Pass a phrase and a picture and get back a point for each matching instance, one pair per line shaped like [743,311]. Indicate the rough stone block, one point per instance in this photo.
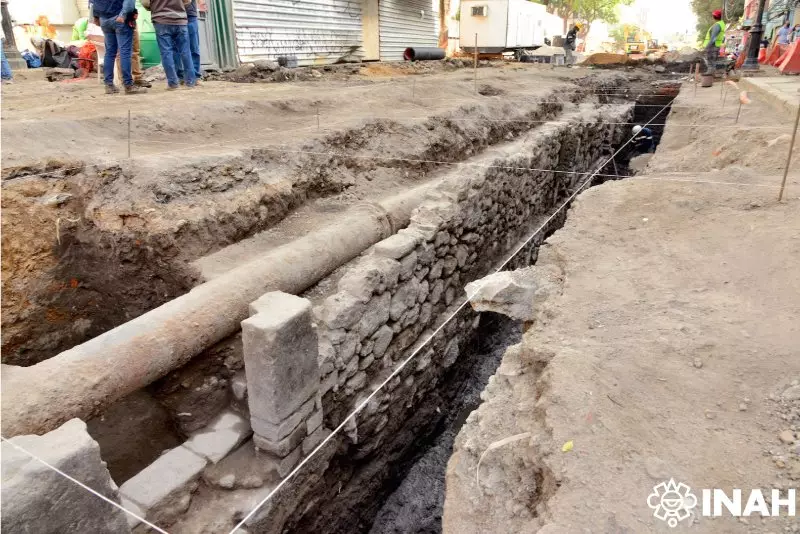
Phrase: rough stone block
[280,357]
[284,446]
[165,480]
[450,264]
[372,275]
[314,439]
[341,310]
[38,500]
[314,422]
[436,291]
[284,465]
[436,270]
[329,382]
[396,246]
[512,293]
[376,314]
[382,339]
[220,437]
[407,266]
[277,432]
[424,289]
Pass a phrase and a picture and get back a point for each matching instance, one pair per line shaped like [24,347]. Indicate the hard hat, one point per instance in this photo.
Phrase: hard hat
[579,25]
[637,129]
[717,14]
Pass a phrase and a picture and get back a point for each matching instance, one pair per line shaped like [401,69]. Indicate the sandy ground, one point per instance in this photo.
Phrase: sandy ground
[669,350]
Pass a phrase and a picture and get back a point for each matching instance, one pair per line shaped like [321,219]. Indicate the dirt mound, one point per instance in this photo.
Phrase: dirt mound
[604,58]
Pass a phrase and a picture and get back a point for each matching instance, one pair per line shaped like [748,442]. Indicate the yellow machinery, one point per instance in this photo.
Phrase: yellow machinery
[635,42]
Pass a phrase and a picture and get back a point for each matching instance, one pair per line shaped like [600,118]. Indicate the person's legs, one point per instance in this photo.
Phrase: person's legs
[568,56]
[176,56]
[182,44]
[136,58]
[5,67]
[125,43]
[165,46]
[110,34]
[194,45]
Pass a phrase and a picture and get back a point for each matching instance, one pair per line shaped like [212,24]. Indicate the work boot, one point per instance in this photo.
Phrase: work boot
[142,83]
[112,89]
[133,90]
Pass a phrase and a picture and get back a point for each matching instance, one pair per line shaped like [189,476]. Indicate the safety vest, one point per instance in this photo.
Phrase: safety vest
[720,38]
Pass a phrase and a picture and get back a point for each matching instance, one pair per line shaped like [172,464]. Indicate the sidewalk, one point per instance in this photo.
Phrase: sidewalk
[782,92]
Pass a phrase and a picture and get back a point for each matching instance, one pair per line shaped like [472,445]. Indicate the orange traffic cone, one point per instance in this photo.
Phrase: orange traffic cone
[763,56]
[790,63]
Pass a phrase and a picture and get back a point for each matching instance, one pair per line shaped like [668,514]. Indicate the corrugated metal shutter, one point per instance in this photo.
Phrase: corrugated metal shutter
[314,31]
[405,23]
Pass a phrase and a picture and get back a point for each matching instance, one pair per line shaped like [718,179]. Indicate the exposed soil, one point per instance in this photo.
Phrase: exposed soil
[668,351]
[90,241]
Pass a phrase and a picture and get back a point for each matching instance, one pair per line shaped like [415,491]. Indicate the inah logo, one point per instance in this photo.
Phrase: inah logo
[672,502]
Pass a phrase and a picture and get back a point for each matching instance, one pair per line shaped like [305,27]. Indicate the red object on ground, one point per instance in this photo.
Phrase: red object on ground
[790,61]
[87,58]
[762,55]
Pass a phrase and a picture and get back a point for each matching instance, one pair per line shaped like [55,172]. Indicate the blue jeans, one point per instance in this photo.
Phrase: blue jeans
[174,39]
[194,47]
[119,37]
[6,68]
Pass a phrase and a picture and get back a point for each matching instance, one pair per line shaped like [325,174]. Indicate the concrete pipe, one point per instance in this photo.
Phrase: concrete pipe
[83,380]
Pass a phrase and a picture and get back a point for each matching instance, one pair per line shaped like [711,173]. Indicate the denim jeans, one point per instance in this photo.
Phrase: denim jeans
[6,68]
[119,37]
[172,39]
[194,47]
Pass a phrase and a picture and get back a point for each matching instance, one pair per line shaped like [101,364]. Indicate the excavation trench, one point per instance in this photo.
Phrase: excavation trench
[409,427]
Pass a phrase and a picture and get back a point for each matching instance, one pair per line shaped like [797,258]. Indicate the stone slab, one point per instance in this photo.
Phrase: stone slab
[220,437]
[37,499]
[172,472]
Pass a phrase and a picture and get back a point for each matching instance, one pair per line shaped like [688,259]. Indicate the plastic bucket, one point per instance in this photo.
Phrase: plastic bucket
[707,80]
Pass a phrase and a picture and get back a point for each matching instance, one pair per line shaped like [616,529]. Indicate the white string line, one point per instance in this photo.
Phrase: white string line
[343,121]
[84,486]
[418,349]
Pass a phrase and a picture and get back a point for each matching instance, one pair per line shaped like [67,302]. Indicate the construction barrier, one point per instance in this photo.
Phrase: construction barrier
[789,63]
[763,57]
[776,54]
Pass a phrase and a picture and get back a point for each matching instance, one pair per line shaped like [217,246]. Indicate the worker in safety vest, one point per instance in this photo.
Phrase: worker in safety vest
[715,38]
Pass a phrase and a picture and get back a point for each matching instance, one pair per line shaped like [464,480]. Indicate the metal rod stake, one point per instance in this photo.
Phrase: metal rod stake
[789,157]
[739,112]
[129,134]
[475,63]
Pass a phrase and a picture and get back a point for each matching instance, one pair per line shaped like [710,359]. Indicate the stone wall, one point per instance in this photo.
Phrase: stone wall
[395,294]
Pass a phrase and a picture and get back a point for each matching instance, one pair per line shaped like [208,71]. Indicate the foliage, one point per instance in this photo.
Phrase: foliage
[732,11]
[586,10]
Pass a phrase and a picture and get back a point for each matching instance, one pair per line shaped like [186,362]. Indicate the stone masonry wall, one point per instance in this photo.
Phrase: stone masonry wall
[402,287]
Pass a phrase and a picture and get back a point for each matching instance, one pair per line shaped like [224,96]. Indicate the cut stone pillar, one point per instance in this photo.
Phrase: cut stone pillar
[280,359]
[37,499]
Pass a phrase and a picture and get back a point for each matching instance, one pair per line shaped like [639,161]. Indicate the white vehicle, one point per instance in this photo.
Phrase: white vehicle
[506,25]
